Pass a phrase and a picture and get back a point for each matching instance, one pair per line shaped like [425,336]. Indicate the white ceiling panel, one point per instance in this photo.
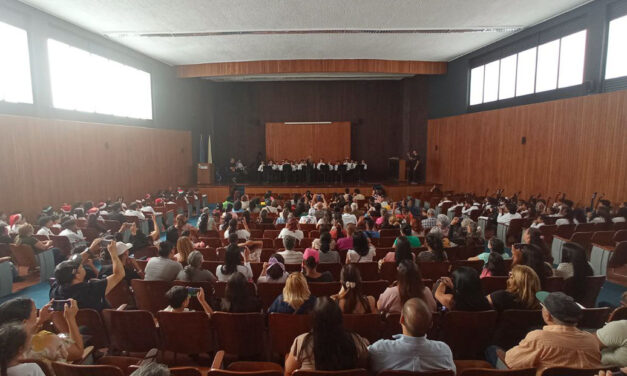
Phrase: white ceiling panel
[134,23]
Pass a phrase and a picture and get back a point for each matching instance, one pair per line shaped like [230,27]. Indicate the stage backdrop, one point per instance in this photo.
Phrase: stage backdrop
[329,141]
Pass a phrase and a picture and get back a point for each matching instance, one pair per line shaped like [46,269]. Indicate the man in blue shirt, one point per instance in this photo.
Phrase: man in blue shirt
[411,351]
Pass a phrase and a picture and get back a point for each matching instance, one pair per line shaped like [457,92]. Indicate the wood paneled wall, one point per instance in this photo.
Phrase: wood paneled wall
[242,68]
[374,108]
[48,162]
[576,145]
[331,142]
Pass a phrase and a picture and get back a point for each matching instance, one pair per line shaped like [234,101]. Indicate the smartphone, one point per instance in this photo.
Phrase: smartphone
[193,291]
[518,245]
[59,305]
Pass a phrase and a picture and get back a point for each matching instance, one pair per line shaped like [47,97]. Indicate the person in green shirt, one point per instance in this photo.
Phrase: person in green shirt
[414,241]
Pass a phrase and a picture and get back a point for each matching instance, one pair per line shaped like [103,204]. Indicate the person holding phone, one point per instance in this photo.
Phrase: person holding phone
[179,297]
[70,282]
[44,344]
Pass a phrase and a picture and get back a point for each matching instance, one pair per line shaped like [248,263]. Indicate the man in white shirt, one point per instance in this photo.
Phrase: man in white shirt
[412,350]
[74,235]
[133,212]
[289,255]
[147,208]
[45,223]
[348,217]
[505,218]
[309,218]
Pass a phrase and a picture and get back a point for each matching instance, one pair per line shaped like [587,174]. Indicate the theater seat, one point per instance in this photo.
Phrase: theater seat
[498,372]
[467,333]
[619,313]
[132,331]
[65,369]
[350,372]
[176,329]
[243,368]
[617,265]
[284,328]
[241,334]
[566,371]
[410,373]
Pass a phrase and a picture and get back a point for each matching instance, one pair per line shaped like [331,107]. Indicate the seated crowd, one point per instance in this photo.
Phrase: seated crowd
[347,229]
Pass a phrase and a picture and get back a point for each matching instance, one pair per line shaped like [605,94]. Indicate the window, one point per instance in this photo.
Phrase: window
[507,79]
[526,72]
[616,63]
[15,80]
[572,56]
[86,82]
[555,64]
[476,85]
[546,69]
[491,82]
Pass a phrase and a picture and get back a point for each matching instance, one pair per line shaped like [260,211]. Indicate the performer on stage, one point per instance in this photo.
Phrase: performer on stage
[413,160]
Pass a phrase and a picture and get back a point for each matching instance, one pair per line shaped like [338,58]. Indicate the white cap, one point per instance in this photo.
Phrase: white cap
[123,247]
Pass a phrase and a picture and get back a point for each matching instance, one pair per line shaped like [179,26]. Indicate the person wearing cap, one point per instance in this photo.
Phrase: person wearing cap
[70,282]
[559,343]
[411,350]
[131,269]
[15,221]
[311,259]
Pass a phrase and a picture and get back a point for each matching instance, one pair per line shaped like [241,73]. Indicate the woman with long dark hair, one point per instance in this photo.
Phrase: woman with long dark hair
[435,249]
[402,251]
[328,347]
[408,285]
[350,298]
[238,296]
[326,246]
[462,292]
[574,268]
[362,250]
[494,267]
[531,255]
[13,343]
[534,236]
[233,263]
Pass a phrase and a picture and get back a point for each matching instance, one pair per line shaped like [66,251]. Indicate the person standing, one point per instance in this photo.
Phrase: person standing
[413,160]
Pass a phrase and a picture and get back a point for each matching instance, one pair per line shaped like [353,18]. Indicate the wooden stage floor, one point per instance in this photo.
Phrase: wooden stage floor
[397,191]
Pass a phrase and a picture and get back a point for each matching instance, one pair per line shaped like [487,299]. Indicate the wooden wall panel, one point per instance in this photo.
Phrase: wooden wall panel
[245,68]
[330,142]
[48,162]
[576,145]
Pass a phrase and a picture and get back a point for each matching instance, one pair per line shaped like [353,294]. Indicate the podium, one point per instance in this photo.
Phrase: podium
[205,173]
[397,168]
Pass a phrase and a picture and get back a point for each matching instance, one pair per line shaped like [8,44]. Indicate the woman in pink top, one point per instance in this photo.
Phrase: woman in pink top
[408,285]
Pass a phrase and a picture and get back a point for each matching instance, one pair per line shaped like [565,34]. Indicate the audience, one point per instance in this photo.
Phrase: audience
[495,267]
[179,296]
[328,347]
[239,297]
[346,243]
[66,345]
[311,259]
[233,264]
[522,285]
[70,281]
[273,270]
[505,218]
[163,268]
[408,285]
[559,343]
[531,255]
[462,292]
[613,342]
[184,247]
[362,250]
[194,272]
[350,298]
[296,298]
[74,235]
[152,369]
[406,231]
[328,254]
[289,254]
[534,236]
[412,350]
[574,269]
[494,245]
[243,234]
[13,343]
[435,249]
[402,251]
[291,230]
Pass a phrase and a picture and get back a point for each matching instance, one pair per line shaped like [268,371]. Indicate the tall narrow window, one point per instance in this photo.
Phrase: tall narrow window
[507,79]
[476,85]
[86,82]
[616,63]
[546,72]
[572,57]
[491,82]
[15,79]
[525,72]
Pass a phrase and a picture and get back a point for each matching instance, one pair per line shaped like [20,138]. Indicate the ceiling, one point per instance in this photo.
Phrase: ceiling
[206,31]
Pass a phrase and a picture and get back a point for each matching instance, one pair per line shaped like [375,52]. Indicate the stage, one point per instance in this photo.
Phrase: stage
[396,191]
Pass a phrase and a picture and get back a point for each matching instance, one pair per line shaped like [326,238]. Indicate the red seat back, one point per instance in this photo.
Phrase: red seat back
[268,292]
[241,334]
[175,327]
[132,331]
[468,333]
[150,295]
[284,328]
